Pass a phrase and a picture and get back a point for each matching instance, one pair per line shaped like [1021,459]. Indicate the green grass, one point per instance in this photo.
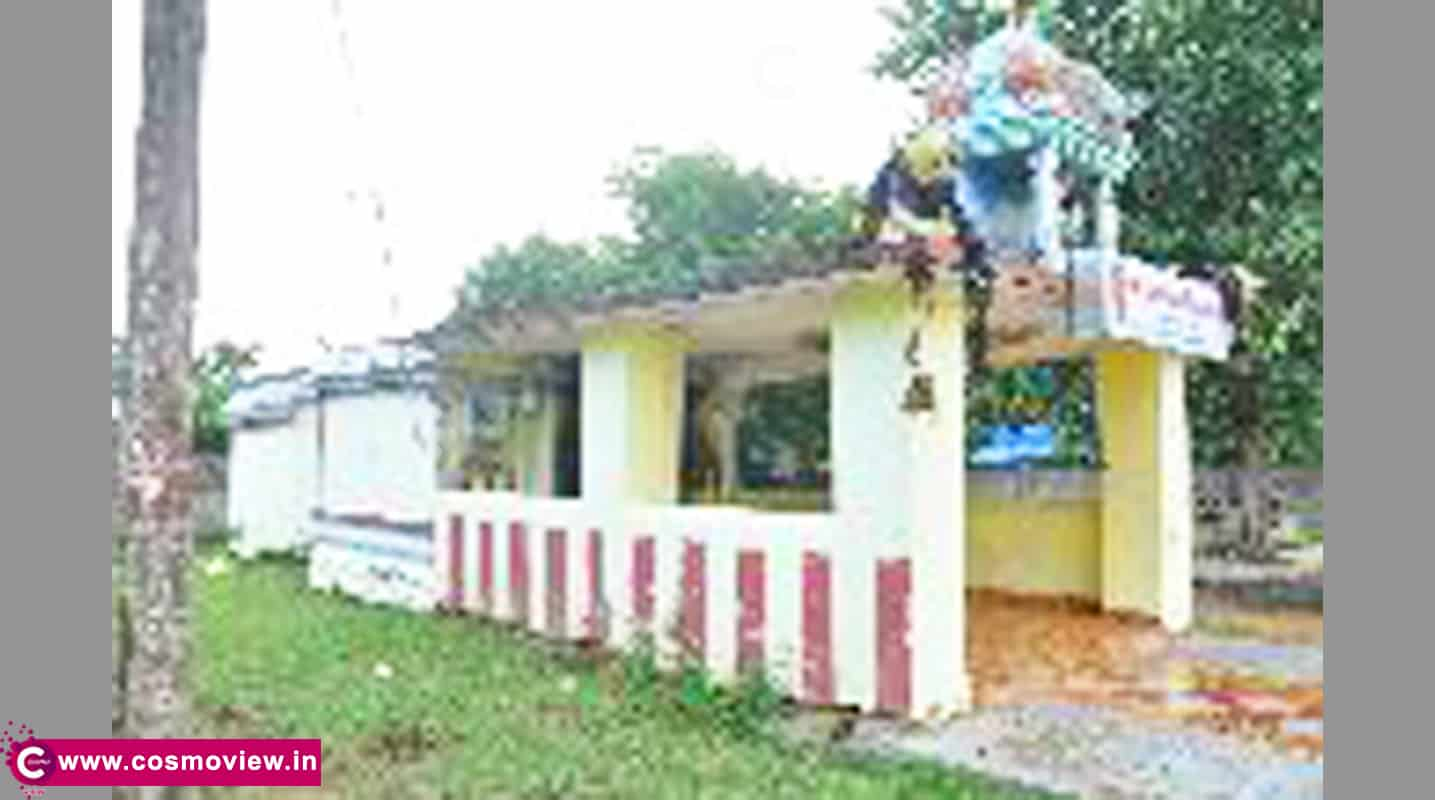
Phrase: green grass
[1304,505]
[478,711]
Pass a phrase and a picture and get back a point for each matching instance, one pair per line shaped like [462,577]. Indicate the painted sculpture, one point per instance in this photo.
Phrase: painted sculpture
[1013,125]
[1031,114]
[914,197]
[1012,181]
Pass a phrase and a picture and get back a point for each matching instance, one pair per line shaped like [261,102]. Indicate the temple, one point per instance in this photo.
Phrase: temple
[551,435]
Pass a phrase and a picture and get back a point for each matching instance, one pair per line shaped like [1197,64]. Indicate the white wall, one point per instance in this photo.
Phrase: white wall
[273,483]
[380,455]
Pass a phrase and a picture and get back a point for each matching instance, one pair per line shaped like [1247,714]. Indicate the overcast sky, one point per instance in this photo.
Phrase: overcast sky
[485,121]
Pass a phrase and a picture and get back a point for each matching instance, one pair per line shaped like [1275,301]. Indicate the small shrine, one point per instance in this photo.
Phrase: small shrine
[998,216]
[561,424]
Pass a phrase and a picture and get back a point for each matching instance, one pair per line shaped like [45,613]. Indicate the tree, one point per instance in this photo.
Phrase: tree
[537,271]
[687,206]
[786,417]
[1230,170]
[215,372]
[158,463]
[694,215]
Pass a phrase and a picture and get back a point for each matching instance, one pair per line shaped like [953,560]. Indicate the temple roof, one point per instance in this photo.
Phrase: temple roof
[1104,301]
[550,321]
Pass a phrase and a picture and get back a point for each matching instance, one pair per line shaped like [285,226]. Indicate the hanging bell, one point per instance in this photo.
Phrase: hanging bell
[920,396]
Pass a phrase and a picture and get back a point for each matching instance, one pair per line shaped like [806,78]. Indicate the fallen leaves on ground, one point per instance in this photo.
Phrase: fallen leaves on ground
[1024,650]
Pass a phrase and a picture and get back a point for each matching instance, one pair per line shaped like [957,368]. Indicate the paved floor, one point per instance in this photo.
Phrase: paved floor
[1098,753]
[1251,677]
[1102,706]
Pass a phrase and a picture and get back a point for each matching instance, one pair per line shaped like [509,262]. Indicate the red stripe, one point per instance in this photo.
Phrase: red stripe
[518,571]
[595,585]
[817,680]
[694,609]
[455,561]
[644,561]
[752,609]
[557,575]
[894,656]
[485,566]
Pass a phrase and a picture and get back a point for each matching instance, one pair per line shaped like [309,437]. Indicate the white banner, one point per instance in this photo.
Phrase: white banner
[1153,307]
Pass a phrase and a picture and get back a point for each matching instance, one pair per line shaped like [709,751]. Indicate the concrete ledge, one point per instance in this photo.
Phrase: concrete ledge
[377,523]
[1072,485]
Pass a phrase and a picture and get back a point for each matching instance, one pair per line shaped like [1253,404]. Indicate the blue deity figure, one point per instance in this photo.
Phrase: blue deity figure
[1008,186]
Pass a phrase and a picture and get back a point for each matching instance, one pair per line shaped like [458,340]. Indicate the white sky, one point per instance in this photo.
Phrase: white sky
[486,122]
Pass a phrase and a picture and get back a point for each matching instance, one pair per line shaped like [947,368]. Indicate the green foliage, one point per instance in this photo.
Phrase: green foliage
[752,704]
[696,691]
[1061,394]
[746,708]
[214,373]
[688,206]
[641,678]
[1230,169]
[538,270]
[784,415]
[693,215]
[924,30]
[1306,536]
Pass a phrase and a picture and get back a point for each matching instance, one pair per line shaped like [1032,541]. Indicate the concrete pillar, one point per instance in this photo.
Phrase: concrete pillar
[631,429]
[1146,524]
[898,481]
[535,447]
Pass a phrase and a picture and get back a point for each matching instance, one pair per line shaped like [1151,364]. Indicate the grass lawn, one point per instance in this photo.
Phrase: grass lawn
[1308,536]
[473,710]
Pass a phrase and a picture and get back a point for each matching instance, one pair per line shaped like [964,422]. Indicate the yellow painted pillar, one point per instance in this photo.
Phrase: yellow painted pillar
[1146,524]
[632,409]
[631,443]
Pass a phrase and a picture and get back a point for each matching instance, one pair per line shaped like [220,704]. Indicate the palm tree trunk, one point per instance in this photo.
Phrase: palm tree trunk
[159,467]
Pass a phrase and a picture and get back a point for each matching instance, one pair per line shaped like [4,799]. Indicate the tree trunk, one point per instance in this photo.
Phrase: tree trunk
[1255,528]
[159,465]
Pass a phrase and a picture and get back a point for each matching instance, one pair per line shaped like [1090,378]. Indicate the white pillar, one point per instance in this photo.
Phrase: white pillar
[632,409]
[1146,524]
[898,480]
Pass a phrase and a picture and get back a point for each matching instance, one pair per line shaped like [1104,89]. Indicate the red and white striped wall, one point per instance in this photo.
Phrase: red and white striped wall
[736,589]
